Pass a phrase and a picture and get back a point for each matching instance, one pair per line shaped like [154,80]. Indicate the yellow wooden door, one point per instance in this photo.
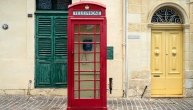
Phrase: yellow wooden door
[166,63]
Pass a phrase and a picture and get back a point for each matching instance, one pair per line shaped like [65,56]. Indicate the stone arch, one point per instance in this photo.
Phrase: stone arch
[177,6]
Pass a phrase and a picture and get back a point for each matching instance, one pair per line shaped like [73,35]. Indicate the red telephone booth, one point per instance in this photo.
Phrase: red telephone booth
[87,56]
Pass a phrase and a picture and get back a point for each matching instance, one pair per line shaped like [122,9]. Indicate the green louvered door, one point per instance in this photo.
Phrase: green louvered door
[51,51]
[60,51]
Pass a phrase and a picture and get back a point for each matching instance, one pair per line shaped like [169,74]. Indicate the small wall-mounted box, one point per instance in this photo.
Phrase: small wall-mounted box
[29,15]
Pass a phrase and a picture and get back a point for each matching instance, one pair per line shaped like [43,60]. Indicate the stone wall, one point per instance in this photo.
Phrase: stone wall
[17,65]
[17,55]
[188,74]
[139,49]
[17,45]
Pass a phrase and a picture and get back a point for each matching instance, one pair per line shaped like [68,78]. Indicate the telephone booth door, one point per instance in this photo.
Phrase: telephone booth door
[87,64]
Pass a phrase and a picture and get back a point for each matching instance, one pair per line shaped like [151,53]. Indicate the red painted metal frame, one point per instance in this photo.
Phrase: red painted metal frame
[95,103]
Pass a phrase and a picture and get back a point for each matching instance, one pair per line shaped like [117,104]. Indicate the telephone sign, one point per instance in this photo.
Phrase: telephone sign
[86,13]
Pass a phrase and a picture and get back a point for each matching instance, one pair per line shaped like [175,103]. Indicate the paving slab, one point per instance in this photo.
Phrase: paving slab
[28,102]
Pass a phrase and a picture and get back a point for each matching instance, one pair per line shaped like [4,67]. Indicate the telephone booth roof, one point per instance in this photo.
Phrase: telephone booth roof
[91,6]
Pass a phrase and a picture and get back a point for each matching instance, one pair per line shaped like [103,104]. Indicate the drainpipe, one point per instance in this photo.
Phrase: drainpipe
[126,49]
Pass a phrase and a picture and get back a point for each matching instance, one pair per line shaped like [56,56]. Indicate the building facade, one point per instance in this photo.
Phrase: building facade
[151,42]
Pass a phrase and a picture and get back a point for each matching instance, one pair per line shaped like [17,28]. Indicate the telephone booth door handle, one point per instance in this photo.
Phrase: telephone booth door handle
[72,53]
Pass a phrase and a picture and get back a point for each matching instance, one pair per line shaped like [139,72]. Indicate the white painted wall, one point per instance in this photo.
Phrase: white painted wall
[17,64]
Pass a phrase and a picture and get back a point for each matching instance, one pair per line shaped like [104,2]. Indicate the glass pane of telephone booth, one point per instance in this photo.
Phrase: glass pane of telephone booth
[86,61]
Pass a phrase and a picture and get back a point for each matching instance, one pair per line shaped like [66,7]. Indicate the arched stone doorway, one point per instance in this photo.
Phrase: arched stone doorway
[168,23]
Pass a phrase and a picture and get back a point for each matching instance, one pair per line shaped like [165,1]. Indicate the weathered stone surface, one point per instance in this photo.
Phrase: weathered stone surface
[144,1]
[143,27]
[137,91]
[144,17]
[144,8]
[134,55]
[115,93]
[144,65]
[189,74]
[145,74]
[134,18]
[191,28]
[134,65]
[139,83]
[134,27]
[135,44]
[186,47]
[145,46]
[48,92]
[132,93]
[134,1]
[135,74]
[2,92]
[191,65]
[186,64]
[186,56]
[19,91]
[191,55]
[191,36]
[186,37]
[189,92]
[134,8]
[189,83]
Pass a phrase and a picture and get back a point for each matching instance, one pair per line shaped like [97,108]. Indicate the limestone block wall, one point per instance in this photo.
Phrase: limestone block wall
[189,74]
[139,49]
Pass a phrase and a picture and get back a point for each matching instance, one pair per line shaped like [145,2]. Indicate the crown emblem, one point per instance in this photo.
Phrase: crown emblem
[87,7]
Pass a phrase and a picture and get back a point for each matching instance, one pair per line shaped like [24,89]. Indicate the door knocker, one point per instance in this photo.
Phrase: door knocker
[174,53]
[156,52]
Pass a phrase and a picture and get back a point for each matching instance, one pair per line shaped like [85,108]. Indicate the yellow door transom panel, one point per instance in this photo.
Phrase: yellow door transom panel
[166,63]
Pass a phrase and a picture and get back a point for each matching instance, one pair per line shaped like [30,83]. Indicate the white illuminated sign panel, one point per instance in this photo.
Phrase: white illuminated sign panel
[87,13]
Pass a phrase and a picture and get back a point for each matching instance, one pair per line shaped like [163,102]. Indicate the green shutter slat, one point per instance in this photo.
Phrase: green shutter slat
[44,26]
[61,47]
[60,27]
[44,47]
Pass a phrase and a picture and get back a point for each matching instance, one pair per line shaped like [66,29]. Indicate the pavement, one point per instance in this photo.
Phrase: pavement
[28,102]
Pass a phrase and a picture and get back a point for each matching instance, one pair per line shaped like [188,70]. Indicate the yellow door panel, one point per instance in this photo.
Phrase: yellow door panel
[174,92]
[166,62]
[158,52]
[158,92]
[174,62]
[158,83]
[173,83]
[173,54]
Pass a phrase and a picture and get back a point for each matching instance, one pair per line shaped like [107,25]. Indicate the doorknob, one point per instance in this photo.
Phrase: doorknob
[174,53]
[156,52]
